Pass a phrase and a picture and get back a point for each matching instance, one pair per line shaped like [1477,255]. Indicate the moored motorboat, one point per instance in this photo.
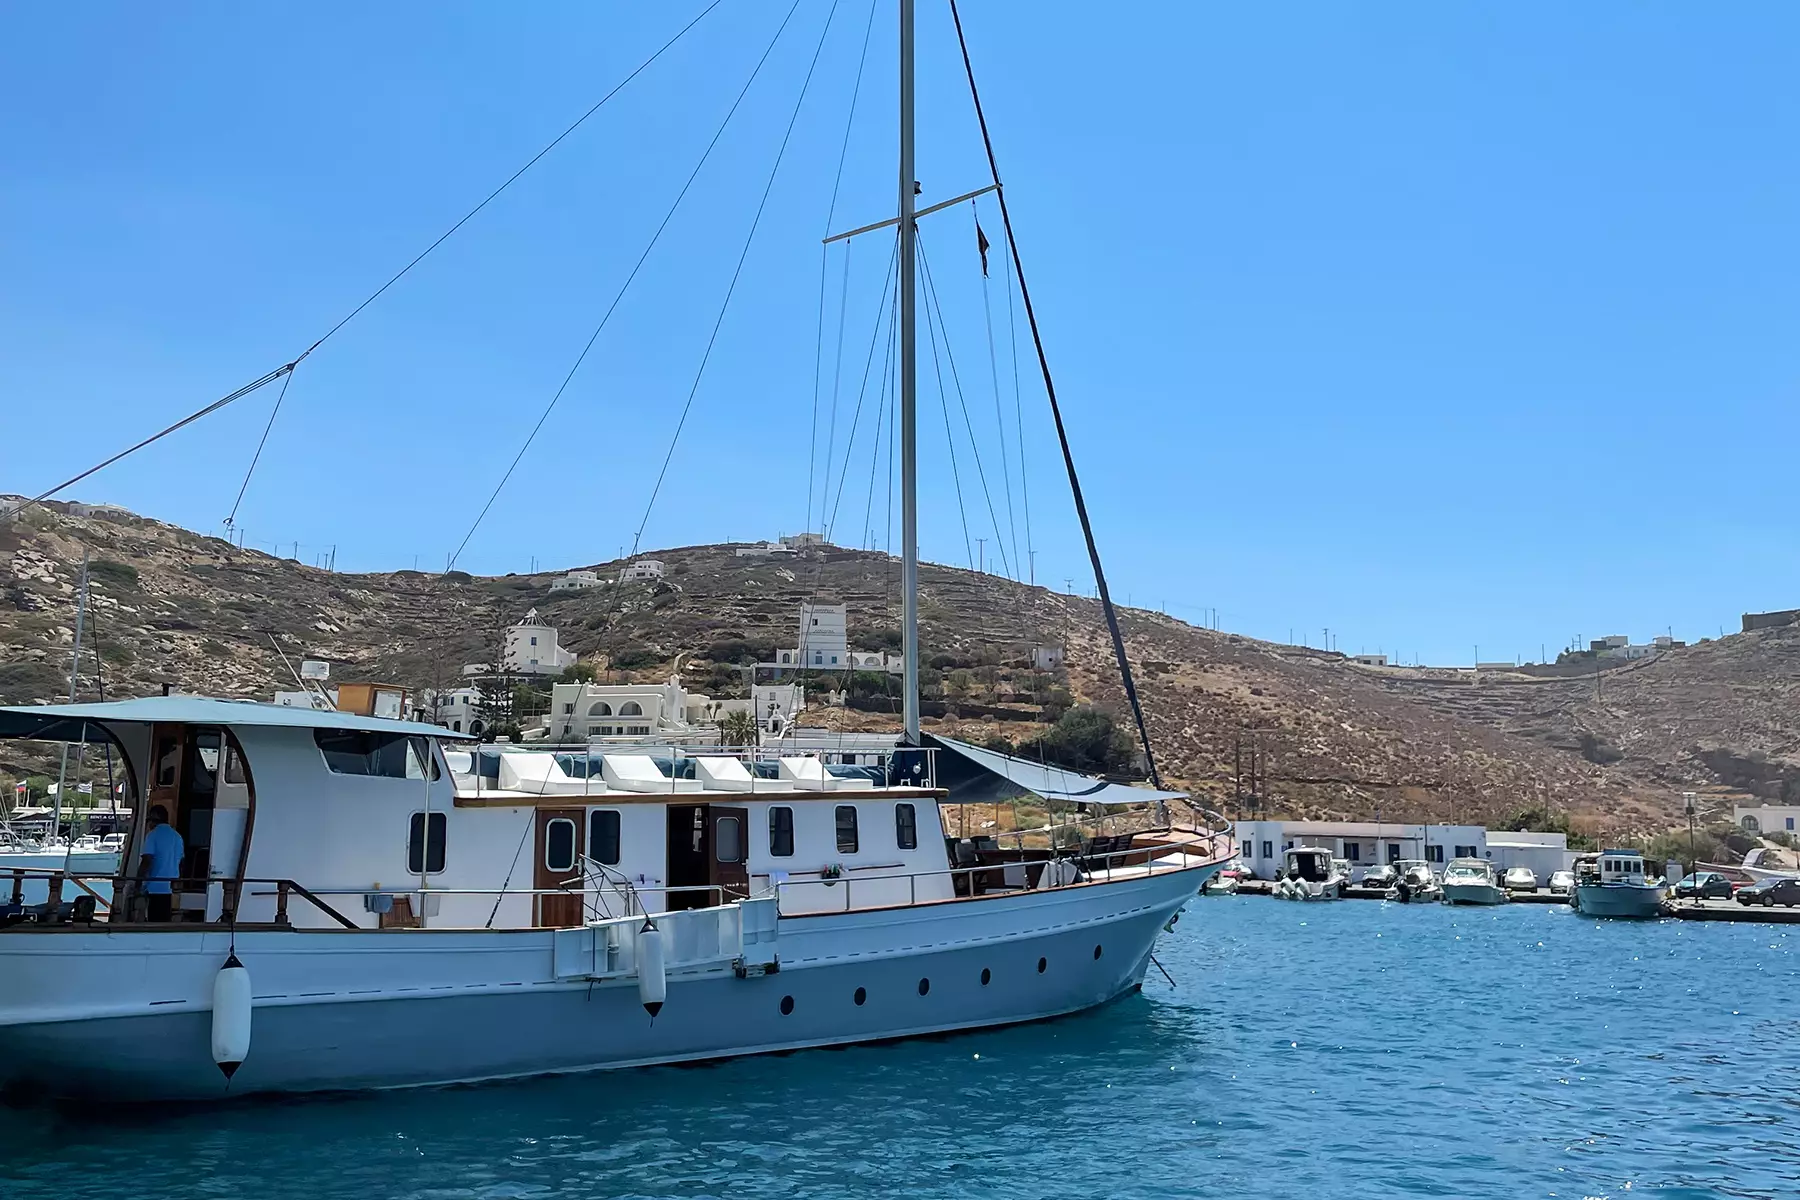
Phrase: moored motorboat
[1309,873]
[1472,881]
[1615,883]
[1415,881]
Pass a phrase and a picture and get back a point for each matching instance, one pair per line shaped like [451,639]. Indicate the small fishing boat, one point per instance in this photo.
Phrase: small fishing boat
[1471,881]
[1309,873]
[1225,883]
[1614,883]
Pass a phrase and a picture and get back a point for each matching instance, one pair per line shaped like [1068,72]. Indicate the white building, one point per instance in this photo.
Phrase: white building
[575,581]
[1766,818]
[765,550]
[1370,660]
[458,710]
[804,541]
[667,711]
[1047,658]
[532,649]
[643,568]
[1362,844]
[303,699]
[824,640]
[1544,853]
[107,511]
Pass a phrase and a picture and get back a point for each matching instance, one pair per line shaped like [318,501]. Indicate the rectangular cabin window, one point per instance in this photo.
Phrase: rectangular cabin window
[846,828]
[781,832]
[374,752]
[603,836]
[559,845]
[425,853]
[234,766]
[728,840]
[906,827]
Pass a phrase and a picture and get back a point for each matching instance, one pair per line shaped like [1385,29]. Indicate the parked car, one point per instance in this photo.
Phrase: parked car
[1379,877]
[1770,892]
[1562,883]
[1707,885]
[1519,879]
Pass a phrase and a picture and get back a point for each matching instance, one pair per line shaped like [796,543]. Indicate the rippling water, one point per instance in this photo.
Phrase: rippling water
[1348,1049]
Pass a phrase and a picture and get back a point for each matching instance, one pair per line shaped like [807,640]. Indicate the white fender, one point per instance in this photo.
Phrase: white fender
[653,983]
[231,1016]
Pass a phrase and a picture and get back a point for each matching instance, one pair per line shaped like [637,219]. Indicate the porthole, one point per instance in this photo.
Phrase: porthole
[987,977]
[787,1005]
[924,986]
[1043,965]
[862,994]
[1096,950]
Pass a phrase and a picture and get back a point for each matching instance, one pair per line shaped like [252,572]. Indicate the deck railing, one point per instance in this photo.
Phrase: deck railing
[1098,866]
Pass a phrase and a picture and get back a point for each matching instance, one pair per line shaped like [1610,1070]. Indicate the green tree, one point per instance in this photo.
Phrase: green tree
[1084,739]
[738,728]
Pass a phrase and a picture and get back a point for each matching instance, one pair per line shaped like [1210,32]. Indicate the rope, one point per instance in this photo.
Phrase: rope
[1062,436]
[987,317]
[230,521]
[949,437]
[837,377]
[1012,350]
[812,449]
[216,405]
[737,272]
[620,294]
[974,445]
[861,395]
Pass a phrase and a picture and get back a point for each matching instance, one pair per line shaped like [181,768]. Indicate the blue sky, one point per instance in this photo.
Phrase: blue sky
[1438,325]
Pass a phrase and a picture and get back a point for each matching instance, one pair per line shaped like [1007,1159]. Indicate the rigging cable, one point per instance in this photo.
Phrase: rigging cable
[624,287]
[1012,351]
[736,274]
[812,449]
[949,437]
[931,295]
[862,393]
[279,372]
[1062,436]
[231,521]
[987,316]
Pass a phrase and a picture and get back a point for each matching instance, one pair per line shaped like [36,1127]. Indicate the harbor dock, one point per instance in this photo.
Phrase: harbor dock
[1686,910]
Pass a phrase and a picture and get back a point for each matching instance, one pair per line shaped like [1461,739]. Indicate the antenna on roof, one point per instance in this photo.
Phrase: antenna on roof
[319,700]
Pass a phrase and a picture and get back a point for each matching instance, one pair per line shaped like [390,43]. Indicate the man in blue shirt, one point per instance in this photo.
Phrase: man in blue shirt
[160,863]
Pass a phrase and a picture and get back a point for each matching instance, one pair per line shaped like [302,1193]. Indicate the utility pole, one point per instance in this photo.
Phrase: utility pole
[1327,637]
[980,555]
[1688,799]
[1033,554]
[1068,585]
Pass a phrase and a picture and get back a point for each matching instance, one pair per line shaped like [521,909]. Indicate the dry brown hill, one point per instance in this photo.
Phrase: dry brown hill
[176,607]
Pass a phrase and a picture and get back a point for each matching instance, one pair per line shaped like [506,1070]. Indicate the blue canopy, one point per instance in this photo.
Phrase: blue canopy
[71,722]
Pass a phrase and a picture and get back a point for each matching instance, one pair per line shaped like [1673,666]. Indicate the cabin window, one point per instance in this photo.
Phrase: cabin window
[559,845]
[728,840]
[846,828]
[781,832]
[603,836]
[234,766]
[906,827]
[425,853]
[373,752]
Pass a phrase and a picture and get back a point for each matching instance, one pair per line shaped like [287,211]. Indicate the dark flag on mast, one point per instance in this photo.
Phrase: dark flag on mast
[981,244]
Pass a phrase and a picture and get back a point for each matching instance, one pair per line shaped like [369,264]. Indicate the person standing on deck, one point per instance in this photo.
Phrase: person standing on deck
[160,864]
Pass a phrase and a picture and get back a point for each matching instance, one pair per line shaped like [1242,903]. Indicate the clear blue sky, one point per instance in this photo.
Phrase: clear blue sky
[1436,324]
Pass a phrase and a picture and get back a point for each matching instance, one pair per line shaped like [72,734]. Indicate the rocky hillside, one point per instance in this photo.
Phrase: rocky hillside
[176,607]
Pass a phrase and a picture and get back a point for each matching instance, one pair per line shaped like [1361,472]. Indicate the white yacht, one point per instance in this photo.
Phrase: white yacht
[1472,881]
[354,912]
[1310,873]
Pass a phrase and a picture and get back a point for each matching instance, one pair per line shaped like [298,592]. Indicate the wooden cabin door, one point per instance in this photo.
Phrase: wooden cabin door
[558,863]
[728,864]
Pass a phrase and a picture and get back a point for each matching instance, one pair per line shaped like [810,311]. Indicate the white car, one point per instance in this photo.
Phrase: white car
[1562,883]
[1519,879]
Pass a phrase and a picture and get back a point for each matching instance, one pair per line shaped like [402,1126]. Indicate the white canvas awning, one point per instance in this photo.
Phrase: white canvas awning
[1039,779]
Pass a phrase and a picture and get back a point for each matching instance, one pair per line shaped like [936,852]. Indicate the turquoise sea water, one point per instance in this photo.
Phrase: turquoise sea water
[1320,1050]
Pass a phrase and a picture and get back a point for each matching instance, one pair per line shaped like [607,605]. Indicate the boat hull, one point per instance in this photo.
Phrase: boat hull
[1473,894]
[1622,900]
[994,967]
